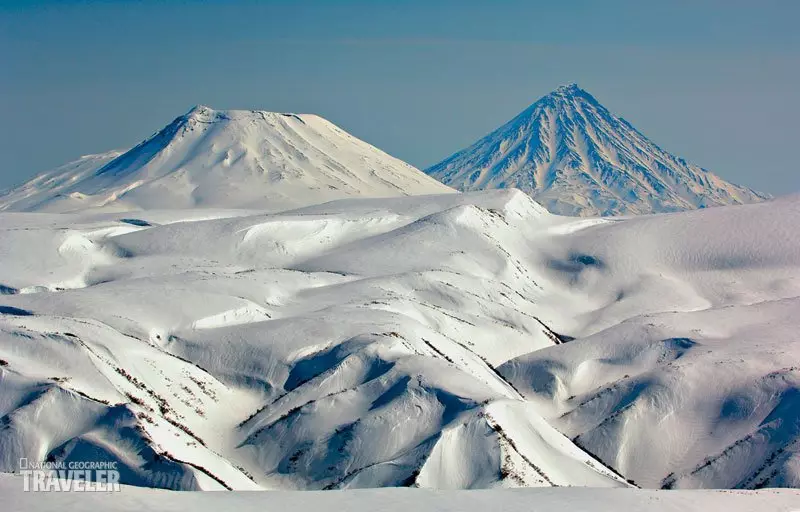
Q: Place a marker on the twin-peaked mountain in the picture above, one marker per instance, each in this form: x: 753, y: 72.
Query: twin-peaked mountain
x: 227, y: 159
x: 575, y: 157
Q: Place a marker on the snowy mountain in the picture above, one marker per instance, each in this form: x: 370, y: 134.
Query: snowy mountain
x: 576, y: 158
x: 226, y: 159
x: 447, y: 341
x: 253, y: 321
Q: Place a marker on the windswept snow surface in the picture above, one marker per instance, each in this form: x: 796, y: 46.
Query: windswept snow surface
x: 576, y: 158
x: 450, y: 341
x: 226, y: 159
x: 402, y: 500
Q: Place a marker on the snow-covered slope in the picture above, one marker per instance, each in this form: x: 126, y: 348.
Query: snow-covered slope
x: 352, y: 344
x: 576, y: 158
x: 450, y: 341
x: 401, y: 500
x: 226, y: 159
x: 685, y: 370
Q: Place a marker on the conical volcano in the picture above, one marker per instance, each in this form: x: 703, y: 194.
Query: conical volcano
x: 576, y: 158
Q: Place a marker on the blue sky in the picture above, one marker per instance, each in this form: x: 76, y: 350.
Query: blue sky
x: 713, y: 81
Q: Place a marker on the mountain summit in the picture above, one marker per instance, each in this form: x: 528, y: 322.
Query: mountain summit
x: 226, y: 159
x: 576, y: 158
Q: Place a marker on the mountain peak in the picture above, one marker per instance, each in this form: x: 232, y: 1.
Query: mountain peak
x: 576, y: 158
x: 228, y: 159
x: 199, y: 108
x: 200, y: 113
x: 569, y: 93
x: 570, y: 88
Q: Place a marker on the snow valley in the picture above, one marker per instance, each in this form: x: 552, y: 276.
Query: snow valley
x: 249, y: 300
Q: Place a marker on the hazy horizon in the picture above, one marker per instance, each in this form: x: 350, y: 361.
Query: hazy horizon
x: 713, y: 82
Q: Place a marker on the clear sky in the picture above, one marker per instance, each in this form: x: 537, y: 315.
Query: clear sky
x: 713, y: 81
